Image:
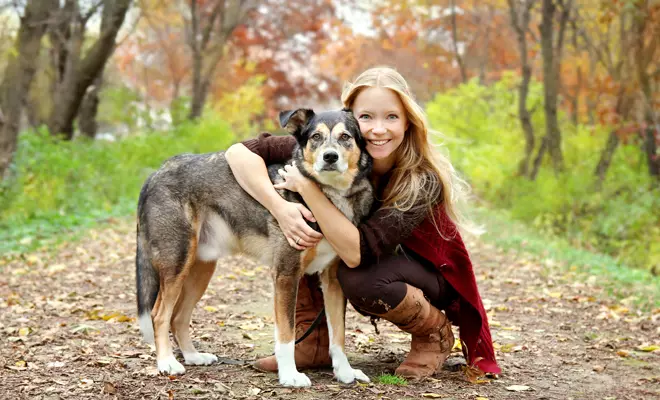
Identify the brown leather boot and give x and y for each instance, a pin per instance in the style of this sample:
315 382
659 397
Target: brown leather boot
432 337
313 352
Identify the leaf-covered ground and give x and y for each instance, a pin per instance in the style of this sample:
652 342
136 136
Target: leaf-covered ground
67 330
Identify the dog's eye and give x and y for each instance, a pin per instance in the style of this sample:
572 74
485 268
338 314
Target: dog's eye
345 136
316 136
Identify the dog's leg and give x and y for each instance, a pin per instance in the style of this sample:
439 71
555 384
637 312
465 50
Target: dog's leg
335 308
194 287
161 315
286 290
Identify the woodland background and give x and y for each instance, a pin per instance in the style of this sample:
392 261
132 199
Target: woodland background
549 108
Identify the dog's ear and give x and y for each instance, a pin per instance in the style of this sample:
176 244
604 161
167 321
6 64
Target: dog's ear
293 121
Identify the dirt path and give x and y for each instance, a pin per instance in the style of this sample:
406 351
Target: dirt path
67 330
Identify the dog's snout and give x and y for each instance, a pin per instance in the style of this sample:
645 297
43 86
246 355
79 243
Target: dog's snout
330 157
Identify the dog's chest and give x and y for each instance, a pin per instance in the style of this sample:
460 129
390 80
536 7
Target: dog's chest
319 257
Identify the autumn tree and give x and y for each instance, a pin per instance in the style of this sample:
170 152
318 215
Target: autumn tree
520 20
19 73
76 70
554 19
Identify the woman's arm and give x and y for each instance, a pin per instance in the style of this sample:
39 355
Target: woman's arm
338 230
377 236
251 173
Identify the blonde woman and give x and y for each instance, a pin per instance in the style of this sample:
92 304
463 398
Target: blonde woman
407 261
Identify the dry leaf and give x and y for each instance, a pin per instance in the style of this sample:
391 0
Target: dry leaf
517 388
109 388
649 349
432 395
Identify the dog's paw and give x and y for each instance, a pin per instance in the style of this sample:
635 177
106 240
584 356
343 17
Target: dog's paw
200 358
294 379
349 375
170 366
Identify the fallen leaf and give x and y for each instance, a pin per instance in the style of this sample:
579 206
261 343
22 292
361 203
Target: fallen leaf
109 388
517 388
210 309
599 368
480 398
649 349
24 331
55 364
432 395
255 391
623 353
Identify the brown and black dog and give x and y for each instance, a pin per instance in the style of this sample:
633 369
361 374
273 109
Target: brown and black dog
191 212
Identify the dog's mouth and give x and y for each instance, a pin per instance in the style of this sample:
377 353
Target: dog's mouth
329 168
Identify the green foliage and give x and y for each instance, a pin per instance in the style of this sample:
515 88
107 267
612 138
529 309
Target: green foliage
57 184
387 379
483 135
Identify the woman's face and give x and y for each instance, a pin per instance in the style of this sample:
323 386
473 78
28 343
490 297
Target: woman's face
383 122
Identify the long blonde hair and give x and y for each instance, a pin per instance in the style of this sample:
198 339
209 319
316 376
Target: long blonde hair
418 170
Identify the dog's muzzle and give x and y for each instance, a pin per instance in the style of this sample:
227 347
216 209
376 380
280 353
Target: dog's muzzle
330 161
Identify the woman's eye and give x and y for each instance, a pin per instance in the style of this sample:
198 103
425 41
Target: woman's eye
364 116
392 116
344 136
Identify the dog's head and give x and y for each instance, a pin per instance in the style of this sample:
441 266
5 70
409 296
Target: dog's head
332 150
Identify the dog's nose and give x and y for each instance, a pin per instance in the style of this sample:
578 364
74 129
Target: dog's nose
330 157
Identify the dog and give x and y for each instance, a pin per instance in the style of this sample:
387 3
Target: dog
192 211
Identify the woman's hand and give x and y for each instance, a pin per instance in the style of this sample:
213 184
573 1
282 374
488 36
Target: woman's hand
290 218
293 179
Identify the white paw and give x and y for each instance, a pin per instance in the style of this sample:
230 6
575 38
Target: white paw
348 375
170 366
200 358
295 379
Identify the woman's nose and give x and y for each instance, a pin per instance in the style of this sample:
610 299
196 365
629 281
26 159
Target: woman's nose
379 128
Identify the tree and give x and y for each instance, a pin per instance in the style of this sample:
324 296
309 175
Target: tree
551 49
75 72
19 74
209 29
520 18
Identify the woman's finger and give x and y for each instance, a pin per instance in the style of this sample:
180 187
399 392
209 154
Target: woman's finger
310 232
293 244
305 212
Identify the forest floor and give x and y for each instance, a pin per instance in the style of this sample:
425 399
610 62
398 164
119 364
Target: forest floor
68 331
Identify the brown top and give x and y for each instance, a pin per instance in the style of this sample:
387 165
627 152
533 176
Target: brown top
380 233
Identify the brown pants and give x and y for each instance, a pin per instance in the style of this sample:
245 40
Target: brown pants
379 287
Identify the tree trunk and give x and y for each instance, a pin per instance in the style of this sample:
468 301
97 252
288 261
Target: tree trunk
551 58
539 158
80 74
207 44
606 157
454 36
18 75
88 110
520 22
643 56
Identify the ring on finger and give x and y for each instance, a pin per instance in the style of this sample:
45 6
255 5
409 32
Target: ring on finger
298 241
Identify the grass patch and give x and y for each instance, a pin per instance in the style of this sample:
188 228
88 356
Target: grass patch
58 187
638 287
387 379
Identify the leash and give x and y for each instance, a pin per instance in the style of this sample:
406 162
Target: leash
313 326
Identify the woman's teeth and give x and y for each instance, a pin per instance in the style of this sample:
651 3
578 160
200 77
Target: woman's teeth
378 142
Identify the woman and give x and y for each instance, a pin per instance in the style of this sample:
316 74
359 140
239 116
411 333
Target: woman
407 261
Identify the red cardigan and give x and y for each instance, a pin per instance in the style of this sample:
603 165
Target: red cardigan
452 260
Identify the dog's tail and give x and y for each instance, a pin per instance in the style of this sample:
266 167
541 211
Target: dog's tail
147 284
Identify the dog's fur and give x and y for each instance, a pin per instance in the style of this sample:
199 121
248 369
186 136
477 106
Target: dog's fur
192 211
